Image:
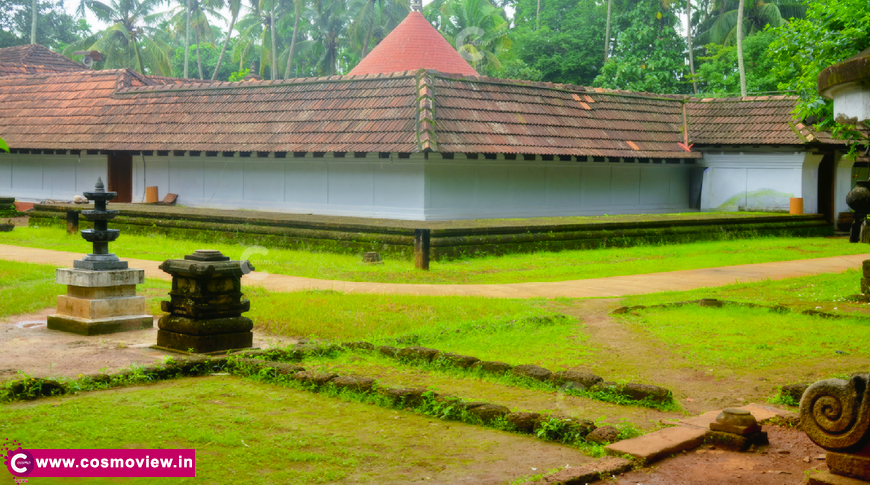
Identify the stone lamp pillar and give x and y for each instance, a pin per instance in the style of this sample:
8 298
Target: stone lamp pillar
101 291
206 305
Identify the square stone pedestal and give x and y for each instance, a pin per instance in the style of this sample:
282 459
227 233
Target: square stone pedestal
100 302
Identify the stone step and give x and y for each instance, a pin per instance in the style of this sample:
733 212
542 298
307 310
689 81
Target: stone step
659 444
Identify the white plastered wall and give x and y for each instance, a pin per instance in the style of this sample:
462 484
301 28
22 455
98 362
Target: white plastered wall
464 188
759 181
37 177
346 186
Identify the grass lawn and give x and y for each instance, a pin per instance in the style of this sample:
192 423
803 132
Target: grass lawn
514 268
250 432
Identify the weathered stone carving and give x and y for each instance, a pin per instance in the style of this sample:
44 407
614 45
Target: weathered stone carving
835 414
206 305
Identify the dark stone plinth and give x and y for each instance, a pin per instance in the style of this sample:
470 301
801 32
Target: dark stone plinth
99 327
203 344
190 326
99 262
205 304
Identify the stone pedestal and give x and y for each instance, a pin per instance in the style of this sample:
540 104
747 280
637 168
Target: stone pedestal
100 302
206 305
835 414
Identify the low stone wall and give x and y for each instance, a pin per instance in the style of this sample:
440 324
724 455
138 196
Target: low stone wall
397 238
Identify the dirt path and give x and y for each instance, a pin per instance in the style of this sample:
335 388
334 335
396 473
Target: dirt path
597 287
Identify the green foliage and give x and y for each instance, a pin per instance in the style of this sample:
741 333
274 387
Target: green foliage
209 54
239 75
3 145
648 55
476 28
830 33
568 48
516 69
55 28
717 73
131 41
720 25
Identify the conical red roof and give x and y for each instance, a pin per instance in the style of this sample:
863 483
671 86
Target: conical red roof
414 44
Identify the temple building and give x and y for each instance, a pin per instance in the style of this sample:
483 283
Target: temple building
413 132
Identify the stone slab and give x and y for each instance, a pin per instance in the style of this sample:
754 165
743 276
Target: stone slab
90 279
828 478
201 344
659 444
849 465
95 292
99 327
102 308
586 473
212 326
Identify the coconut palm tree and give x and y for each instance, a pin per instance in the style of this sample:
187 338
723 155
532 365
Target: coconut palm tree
129 41
235 6
720 23
477 28
298 8
740 48
193 14
255 30
33 22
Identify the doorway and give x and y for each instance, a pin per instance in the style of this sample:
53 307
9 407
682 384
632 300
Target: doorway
121 177
826 188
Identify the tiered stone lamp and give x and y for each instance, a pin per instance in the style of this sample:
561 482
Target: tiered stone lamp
206 305
101 291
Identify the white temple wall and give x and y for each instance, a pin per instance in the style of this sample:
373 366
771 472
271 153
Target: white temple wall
464 188
36 177
756 181
342 186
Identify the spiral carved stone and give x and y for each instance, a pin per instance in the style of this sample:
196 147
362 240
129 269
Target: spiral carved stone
835 413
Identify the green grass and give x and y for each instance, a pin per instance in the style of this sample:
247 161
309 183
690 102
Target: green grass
514 268
28 288
750 338
828 292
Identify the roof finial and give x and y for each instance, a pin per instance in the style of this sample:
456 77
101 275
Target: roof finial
100 187
416 5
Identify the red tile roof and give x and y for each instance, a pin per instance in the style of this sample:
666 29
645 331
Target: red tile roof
402 112
414 44
34 59
754 120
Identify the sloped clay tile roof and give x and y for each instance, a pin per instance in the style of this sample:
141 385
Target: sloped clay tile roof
414 44
34 59
755 120
495 116
402 112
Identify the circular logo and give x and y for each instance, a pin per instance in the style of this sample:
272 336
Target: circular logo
470 51
20 463
248 268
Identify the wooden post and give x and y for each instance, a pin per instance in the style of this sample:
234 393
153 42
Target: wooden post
421 249
72 222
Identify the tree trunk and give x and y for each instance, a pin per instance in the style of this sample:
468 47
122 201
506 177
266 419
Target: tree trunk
274 46
740 66
33 22
607 31
198 61
224 49
538 17
298 12
187 38
689 39
366 41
